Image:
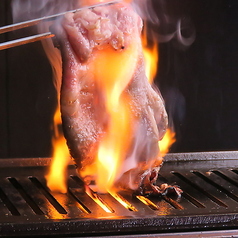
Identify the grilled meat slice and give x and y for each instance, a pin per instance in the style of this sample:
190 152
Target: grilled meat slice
85 37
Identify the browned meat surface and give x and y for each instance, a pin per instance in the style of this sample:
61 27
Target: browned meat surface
85 38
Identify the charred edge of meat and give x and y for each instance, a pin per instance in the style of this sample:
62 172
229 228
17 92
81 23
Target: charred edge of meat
146 182
149 188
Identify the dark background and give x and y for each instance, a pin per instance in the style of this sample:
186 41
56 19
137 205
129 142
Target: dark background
199 82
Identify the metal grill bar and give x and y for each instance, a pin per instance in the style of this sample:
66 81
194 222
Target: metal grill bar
213 198
26 196
193 200
82 206
48 195
9 204
225 177
224 190
203 203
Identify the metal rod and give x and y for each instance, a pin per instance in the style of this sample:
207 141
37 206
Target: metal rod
25 40
33 22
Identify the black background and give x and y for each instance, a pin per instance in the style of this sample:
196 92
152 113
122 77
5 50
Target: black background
199 82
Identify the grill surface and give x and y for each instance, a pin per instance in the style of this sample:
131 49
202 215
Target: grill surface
209 201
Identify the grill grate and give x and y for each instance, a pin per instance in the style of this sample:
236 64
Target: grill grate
210 198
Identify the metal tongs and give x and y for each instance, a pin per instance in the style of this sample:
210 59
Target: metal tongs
38 37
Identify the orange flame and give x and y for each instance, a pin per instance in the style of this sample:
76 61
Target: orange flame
166 142
150 51
56 177
113 146
115 142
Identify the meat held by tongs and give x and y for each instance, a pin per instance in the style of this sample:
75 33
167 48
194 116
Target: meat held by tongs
91 41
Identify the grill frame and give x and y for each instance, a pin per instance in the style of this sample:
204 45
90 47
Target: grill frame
17 175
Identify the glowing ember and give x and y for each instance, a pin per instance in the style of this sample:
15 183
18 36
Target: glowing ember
147 202
98 200
123 201
166 142
54 213
56 177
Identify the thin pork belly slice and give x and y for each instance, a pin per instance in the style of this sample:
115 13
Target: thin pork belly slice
91 41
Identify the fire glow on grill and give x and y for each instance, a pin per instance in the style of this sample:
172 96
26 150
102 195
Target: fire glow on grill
114 144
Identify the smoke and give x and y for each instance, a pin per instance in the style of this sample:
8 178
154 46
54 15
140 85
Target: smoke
181 32
23 10
27 9
154 12
163 25
146 11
